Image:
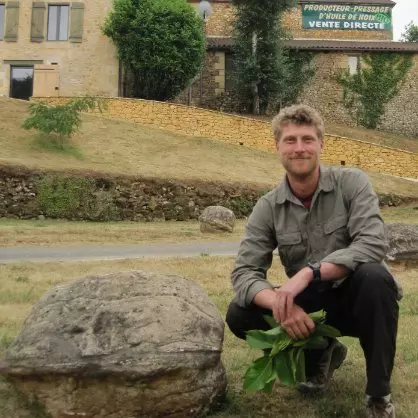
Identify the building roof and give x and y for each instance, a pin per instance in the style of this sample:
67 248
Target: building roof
327 45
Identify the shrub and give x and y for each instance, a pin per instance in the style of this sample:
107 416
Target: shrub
58 123
160 42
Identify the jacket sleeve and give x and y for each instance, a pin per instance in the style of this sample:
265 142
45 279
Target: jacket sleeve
255 254
365 225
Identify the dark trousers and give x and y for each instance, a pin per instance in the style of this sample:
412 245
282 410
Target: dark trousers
364 306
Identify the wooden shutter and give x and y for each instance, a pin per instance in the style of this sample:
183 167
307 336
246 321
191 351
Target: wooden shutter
38 22
76 22
12 21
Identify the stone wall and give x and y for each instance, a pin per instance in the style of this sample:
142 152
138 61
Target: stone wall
122 197
292 21
220 23
257 134
90 66
127 198
323 93
208 84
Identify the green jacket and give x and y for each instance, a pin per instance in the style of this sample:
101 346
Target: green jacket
343 226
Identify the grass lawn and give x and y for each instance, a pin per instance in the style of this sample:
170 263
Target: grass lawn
59 232
120 147
23 284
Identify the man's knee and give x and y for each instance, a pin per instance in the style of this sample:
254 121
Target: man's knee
240 320
374 277
234 319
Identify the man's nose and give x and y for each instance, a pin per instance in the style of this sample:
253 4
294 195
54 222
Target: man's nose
300 146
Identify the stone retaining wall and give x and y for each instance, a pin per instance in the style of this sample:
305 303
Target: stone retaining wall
116 198
257 134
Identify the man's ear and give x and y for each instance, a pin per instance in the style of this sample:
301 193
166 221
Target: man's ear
322 145
277 146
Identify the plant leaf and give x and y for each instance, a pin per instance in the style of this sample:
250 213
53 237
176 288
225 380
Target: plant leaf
318 317
258 339
259 375
271 321
327 331
281 344
283 368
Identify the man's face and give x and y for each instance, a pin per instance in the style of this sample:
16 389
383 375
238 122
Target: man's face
299 149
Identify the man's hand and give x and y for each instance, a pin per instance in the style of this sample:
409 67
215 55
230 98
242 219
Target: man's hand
283 304
299 325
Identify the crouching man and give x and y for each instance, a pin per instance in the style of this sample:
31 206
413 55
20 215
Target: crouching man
330 237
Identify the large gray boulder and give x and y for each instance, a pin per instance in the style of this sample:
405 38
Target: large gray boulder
123 345
217 219
402 240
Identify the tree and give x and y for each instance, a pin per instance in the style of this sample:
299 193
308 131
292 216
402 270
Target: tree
58 123
367 92
260 63
160 42
411 33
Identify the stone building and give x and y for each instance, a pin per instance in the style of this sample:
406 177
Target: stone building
57 49
338 32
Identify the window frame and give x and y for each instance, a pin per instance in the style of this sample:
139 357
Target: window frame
2 20
58 22
358 66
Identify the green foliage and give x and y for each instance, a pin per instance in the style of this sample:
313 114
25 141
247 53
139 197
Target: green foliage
74 198
160 42
366 93
58 123
283 358
299 70
411 33
61 197
55 144
265 75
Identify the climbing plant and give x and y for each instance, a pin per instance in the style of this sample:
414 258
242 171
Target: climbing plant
366 93
259 59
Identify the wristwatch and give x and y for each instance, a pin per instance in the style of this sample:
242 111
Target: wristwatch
316 268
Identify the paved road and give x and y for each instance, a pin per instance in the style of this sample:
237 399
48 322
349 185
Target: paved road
115 252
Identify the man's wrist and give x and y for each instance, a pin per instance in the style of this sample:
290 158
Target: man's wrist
307 275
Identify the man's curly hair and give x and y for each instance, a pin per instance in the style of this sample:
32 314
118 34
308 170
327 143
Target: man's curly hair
298 115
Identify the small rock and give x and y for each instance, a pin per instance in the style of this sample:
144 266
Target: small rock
217 219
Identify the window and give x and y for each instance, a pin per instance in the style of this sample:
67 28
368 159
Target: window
58 23
353 64
1 22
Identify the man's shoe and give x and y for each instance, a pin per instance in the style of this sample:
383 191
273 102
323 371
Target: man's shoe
331 359
379 408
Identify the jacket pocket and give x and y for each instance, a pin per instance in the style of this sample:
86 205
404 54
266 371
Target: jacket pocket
292 250
338 222
289 238
336 233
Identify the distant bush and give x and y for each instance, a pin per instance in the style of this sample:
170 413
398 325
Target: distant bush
75 198
63 197
58 123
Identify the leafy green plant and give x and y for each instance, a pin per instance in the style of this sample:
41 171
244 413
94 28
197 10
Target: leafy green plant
62 197
160 43
58 123
283 358
411 33
366 93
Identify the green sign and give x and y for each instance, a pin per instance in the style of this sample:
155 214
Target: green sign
354 17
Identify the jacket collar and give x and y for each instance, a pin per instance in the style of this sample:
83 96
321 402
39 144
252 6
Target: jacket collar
325 183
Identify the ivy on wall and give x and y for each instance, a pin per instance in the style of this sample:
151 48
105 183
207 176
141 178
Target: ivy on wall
379 79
